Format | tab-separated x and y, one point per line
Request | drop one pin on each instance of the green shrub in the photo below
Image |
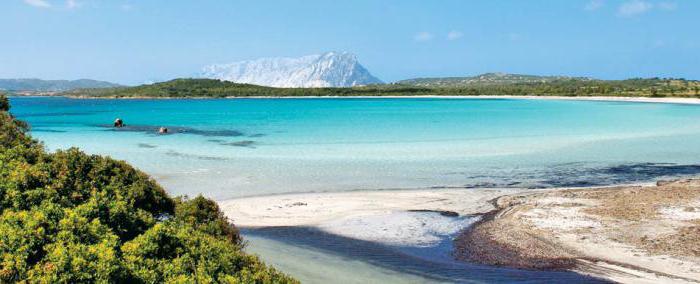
69	217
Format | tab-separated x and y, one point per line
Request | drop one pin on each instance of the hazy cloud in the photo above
423	36
594	5
668	6
453	35
72	4
633	8
126	7
38	3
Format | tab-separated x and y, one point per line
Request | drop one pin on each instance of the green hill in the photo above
491	85
37	85
217	89
486	79
69	217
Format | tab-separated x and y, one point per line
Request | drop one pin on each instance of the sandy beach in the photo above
629	234
395	217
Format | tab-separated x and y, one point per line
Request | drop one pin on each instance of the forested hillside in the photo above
529	86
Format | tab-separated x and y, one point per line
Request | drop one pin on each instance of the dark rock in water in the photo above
244	143
152	129
145	145
441	212
118	122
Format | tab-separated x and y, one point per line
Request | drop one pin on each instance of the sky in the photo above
133	42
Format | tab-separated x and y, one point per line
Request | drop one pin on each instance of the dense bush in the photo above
71	217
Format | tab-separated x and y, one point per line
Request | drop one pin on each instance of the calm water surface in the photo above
243	147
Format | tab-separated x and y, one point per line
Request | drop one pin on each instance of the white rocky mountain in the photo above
331	69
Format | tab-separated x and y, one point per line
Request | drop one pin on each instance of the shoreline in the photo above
366	201
422	218
628	234
671	100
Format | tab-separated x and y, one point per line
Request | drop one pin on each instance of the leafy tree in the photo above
4	103
204	214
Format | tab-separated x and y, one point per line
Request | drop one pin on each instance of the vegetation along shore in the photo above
482	85
69	217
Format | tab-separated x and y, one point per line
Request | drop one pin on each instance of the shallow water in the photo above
244	147
335	259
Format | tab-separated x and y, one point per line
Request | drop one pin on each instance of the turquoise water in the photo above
243	147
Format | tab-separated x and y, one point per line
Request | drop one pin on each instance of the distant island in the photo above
490	84
51	86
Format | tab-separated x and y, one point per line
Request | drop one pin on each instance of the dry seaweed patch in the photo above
654	231
642	203
507	244
639	222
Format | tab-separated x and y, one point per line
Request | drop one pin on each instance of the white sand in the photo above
379	216
415	229
564	218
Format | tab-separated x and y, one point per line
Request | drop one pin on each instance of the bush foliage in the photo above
69	217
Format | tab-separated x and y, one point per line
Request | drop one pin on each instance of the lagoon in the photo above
229	148
243	147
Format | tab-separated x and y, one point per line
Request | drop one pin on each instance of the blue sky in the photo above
138	41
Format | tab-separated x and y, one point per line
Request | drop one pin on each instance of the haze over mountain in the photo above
38	85
331	69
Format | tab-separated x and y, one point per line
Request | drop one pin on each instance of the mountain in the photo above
38	85
331	69
486	79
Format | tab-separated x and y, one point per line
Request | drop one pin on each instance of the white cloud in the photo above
126	7
38	3
423	36
453	35
72	4
668	6
594	5
633	8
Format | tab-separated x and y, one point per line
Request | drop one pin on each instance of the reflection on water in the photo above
382	264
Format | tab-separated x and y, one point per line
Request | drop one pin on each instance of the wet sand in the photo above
396	217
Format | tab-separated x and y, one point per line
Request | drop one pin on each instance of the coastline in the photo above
671	100
423	217
628	234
